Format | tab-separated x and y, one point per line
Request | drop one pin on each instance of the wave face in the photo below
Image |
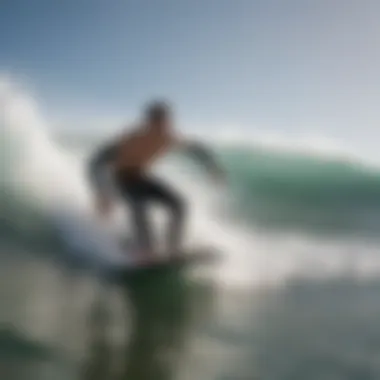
284	212
290	189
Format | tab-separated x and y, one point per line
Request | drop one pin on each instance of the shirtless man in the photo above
128	160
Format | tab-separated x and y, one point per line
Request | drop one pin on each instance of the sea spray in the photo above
283	213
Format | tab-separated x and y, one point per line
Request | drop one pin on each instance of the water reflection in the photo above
309	329
165	307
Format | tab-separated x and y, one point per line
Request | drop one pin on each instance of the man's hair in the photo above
157	109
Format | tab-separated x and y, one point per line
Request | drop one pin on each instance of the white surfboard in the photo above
185	258
91	245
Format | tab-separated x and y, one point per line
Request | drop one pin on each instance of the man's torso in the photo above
139	150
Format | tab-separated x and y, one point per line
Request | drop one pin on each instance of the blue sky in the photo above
297	66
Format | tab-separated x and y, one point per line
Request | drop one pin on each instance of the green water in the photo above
171	326
56	324
153	326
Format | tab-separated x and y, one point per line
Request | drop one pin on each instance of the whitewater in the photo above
295	296
287	210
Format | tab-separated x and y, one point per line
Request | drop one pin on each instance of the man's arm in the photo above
202	154
99	174
100	161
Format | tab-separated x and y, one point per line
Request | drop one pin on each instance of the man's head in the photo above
158	115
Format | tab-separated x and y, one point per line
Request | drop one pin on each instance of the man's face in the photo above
161	123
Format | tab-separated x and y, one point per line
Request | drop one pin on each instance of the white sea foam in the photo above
45	173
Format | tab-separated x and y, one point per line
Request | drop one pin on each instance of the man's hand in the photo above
203	154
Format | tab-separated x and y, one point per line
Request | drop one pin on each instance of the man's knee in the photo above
178	206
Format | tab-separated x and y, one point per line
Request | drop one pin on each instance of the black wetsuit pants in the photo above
139	191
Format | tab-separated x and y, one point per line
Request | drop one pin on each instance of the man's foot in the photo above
145	257
174	253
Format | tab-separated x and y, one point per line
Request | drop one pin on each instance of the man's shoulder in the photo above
131	132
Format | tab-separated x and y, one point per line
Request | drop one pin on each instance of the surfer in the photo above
125	162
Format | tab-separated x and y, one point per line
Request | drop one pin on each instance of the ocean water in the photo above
295	296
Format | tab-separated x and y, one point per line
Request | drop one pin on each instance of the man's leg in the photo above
136	195
162	193
142	230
